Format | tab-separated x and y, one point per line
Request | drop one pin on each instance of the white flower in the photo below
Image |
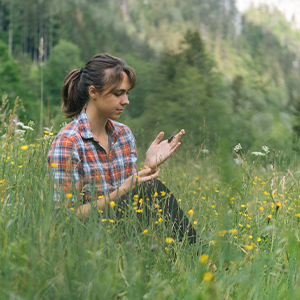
27	127
266	149
258	153
205	150
20	124
237	161
237	147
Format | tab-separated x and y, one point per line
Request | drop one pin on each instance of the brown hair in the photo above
102	71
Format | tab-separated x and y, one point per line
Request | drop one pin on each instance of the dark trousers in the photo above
156	195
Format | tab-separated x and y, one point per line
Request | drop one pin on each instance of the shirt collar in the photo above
85	127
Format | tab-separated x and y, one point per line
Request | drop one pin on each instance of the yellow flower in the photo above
203	258
240	225
72	208
261	208
297	215
254	182
212	242
266	193
249	247
112	204
163	193
159	220
216	191
179	200
212	206
169	240
53	165
250	237
141	200
269	217
24	148
111	221
145	231
248	226
195	223
190	212
139	211
104	220
233	231
222	232
136	196
208	276
278	204
155	194
258	239
69	195
99	197
243	206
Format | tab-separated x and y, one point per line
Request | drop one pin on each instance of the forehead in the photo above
125	83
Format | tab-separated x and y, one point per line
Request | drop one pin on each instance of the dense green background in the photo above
201	65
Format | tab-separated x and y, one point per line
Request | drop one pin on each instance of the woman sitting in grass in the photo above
93	158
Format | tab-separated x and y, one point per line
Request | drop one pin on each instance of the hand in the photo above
141	176
159	152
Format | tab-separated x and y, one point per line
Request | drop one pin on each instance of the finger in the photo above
159	137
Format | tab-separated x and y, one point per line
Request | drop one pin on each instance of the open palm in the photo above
159	151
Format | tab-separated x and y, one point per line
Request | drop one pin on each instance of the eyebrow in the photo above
120	90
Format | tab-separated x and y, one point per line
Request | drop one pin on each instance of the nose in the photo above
125	100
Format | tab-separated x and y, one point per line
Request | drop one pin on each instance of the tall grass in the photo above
246	216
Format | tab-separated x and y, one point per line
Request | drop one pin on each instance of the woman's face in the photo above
110	106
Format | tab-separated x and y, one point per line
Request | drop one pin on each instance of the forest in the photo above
201	65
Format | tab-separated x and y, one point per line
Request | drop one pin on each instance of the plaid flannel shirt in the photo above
78	161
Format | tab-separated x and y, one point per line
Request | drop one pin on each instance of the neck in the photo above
97	123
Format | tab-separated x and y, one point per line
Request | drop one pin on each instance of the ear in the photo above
92	92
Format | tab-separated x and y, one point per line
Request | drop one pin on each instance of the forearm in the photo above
104	202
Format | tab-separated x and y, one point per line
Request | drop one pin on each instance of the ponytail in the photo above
103	71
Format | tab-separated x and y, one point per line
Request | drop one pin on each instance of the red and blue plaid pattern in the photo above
77	160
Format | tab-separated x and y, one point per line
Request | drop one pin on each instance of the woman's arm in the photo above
130	183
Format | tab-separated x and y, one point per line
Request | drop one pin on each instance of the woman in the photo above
94	157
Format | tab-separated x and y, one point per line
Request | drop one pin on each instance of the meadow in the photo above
244	206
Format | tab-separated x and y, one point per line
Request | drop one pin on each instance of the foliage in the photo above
246	214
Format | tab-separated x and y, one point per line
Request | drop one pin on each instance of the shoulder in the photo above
122	129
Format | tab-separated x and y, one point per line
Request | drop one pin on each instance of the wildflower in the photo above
24	148
264	183
212	242
249	247
258	153
53	165
145	231
72	208
254	183
235	237
233	231
248	226
111	221
139	210
266	193
169	240
222	232
141	200
136	196
203	258
179	200
250	237
163	193
240	225
269	217
159	220
112	204
212	206
104	220
261	208
278	205
208	276
216	191
258	239
69	195
266	149
99	197
298	215
190	212
155	194
195	223
238	147
243	206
